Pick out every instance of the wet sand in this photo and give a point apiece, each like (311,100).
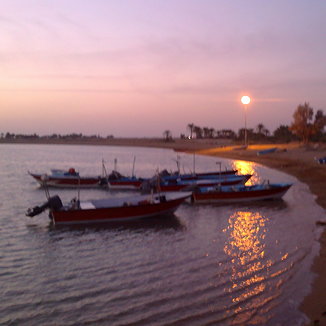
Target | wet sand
(300,162)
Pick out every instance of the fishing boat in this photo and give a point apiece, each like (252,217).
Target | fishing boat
(321,160)
(117,181)
(267,151)
(240,193)
(110,209)
(72,179)
(196,176)
(177,184)
(66,179)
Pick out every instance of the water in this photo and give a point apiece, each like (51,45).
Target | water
(245,264)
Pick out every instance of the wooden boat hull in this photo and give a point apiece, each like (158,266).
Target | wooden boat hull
(125,184)
(267,151)
(241,194)
(144,209)
(199,176)
(192,184)
(67,181)
(87,182)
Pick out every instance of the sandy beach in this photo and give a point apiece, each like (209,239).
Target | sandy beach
(298,161)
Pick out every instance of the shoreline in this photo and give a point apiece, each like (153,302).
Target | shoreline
(292,158)
(299,162)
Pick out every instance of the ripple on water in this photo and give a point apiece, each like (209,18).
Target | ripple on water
(207,265)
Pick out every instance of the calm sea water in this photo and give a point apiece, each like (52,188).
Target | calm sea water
(246,264)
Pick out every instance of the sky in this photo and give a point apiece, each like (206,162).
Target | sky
(136,68)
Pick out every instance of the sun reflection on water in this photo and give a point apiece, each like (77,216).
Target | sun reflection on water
(246,248)
(244,167)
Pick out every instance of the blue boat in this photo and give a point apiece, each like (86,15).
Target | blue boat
(321,160)
(267,151)
(240,193)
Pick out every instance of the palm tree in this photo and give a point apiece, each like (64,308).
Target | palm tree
(191,128)
(198,131)
(206,132)
(260,127)
(167,135)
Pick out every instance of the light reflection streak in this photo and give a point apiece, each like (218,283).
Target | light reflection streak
(244,167)
(247,249)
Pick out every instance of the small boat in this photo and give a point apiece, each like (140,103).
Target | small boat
(159,184)
(267,151)
(196,176)
(116,180)
(321,160)
(240,193)
(66,179)
(72,179)
(110,209)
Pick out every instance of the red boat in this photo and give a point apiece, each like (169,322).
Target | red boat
(111,209)
(240,193)
(72,179)
(66,179)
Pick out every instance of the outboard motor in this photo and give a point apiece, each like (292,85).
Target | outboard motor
(53,203)
(150,185)
(103,181)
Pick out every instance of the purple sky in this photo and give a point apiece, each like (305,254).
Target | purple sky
(138,68)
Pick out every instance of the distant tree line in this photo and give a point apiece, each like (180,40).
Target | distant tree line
(305,127)
(73,136)
(260,133)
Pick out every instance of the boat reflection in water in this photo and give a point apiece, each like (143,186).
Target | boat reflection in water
(251,291)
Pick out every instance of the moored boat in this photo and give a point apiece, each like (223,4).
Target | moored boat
(72,179)
(110,209)
(159,184)
(321,160)
(66,179)
(267,151)
(240,193)
(165,175)
(116,180)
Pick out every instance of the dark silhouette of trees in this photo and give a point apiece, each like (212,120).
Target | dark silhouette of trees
(226,133)
(283,134)
(198,131)
(191,128)
(167,135)
(319,124)
(261,130)
(208,133)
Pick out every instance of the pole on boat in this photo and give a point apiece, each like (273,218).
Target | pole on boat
(194,163)
(105,174)
(220,172)
(115,164)
(44,179)
(220,164)
(133,167)
(78,193)
(177,161)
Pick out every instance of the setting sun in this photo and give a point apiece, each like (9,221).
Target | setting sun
(245,100)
